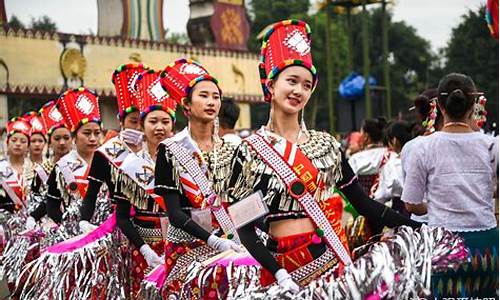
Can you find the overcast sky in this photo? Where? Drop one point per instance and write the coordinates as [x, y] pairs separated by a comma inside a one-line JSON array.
[[433, 19]]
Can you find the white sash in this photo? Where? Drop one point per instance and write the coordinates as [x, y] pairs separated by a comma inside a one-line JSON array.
[[271, 157], [73, 168], [8, 174], [185, 158], [115, 151], [40, 171], [140, 168]]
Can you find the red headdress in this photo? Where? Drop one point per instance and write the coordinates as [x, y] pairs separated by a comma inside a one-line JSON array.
[[79, 107], [124, 78], [51, 117], [18, 125], [151, 94], [181, 76], [37, 125], [286, 43]]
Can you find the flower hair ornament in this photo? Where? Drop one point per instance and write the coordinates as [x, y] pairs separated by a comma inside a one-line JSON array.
[[480, 112], [429, 123]]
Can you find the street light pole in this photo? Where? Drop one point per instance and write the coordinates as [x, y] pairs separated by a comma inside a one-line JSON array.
[[329, 70], [385, 53], [366, 61]]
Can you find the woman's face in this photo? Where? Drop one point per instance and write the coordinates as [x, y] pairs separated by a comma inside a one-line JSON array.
[[37, 142], [60, 141], [292, 89], [17, 145], [158, 126], [132, 121], [205, 101], [87, 137]]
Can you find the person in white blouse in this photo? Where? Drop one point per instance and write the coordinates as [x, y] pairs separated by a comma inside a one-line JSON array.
[[454, 169]]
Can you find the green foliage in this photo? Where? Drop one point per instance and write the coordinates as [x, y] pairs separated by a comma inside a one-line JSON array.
[[177, 38], [15, 23], [266, 12], [43, 23], [472, 51], [411, 54]]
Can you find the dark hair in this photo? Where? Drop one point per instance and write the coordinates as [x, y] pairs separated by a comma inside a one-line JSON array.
[[229, 113], [375, 128], [400, 130], [422, 103], [456, 95], [189, 97]]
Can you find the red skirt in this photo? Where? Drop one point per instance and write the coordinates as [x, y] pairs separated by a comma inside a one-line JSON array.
[[295, 251]]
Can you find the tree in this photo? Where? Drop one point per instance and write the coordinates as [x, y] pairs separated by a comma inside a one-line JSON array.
[[43, 23], [409, 71], [15, 23], [266, 12], [177, 38], [472, 51], [263, 13]]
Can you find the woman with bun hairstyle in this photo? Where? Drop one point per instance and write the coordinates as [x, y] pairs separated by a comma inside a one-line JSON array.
[[366, 162], [292, 171], [454, 168]]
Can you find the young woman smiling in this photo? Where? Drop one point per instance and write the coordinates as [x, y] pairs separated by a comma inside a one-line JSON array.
[[295, 170]]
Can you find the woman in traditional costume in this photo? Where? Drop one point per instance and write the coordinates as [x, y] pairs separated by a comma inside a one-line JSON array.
[[12, 168], [191, 173], [25, 246], [109, 157], [60, 143], [293, 171], [453, 169], [140, 214], [68, 182]]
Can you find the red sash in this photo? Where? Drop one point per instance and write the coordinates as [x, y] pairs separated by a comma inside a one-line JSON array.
[[308, 174], [192, 191], [297, 177]]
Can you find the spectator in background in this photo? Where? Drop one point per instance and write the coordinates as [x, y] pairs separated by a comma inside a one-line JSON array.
[[453, 170], [366, 163], [425, 106], [354, 143], [390, 181], [228, 116]]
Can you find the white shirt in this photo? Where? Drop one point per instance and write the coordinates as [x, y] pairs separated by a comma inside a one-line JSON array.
[[390, 179], [455, 172], [367, 162]]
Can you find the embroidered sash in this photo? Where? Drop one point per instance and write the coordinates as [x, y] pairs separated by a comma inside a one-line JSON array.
[[300, 187], [75, 171], [141, 169], [115, 151], [185, 158], [12, 183], [40, 171]]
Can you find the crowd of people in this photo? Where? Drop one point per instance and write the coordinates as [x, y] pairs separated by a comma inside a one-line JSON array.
[[148, 212]]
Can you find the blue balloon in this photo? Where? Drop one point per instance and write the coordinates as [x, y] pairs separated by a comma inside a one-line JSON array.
[[353, 86]]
